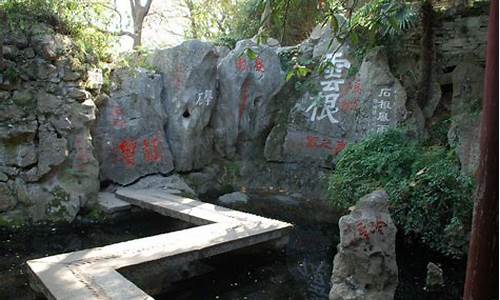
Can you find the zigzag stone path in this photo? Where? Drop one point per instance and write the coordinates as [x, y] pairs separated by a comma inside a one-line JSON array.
[[92, 273]]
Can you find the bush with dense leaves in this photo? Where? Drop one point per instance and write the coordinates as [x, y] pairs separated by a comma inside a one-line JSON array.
[[429, 197]]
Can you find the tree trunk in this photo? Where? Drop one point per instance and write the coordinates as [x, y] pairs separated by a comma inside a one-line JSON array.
[[138, 23], [481, 281]]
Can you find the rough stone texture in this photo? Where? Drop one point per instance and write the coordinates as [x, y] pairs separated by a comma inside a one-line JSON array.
[[189, 76], [434, 277], [129, 134], [245, 108], [47, 166], [173, 183], [364, 267], [232, 198], [459, 35], [465, 114], [109, 204], [346, 110]]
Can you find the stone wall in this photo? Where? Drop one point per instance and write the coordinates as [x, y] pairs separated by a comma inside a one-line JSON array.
[[47, 167]]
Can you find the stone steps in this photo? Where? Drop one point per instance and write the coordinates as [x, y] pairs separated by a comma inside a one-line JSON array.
[[92, 273]]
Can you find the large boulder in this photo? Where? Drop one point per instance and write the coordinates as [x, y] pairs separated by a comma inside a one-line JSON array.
[[189, 76], [248, 81], [466, 103], [129, 134], [347, 108], [364, 267]]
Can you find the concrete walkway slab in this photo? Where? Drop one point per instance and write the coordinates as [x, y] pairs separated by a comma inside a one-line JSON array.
[[92, 273], [109, 204]]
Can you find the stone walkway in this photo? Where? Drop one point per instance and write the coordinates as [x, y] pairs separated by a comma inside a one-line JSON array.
[[92, 273]]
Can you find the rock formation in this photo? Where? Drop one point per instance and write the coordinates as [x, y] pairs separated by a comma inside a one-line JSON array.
[[47, 166], [129, 134], [343, 109], [245, 107], [189, 78], [364, 267]]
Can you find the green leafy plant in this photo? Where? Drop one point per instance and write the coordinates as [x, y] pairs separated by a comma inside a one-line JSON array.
[[429, 197], [68, 17], [371, 24]]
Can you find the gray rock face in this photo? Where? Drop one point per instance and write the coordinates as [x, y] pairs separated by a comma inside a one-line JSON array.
[[173, 183], [233, 198], [434, 279], [346, 109], [464, 131], [190, 96], [364, 267], [245, 107], [47, 166], [129, 134]]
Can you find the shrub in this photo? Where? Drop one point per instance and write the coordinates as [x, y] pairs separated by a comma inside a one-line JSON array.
[[429, 197], [69, 17]]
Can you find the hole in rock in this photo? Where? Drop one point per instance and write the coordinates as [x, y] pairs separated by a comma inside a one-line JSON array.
[[186, 114], [449, 69]]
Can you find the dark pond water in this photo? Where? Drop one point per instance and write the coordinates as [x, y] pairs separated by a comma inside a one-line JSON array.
[[300, 271]]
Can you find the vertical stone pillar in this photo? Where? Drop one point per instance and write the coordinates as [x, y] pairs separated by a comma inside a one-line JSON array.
[[364, 267]]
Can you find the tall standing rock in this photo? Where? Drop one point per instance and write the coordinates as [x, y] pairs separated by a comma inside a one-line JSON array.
[[129, 135], [189, 76], [364, 267], [245, 109], [345, 108], [465, 114]]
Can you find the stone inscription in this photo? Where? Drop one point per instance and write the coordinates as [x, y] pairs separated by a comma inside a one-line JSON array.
[[365, 230], [242, 65], [204, 98], [244, 99], [315, 142], [330, 89], [381, 109], [150, 149]]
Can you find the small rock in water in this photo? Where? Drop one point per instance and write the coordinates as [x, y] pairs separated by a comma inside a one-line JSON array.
[[434, 278], [365, 264], [234, 198]]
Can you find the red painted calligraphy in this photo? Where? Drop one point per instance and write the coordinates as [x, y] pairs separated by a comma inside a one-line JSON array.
[[339, 146], [241, 64], [127, 149], [374, 227], [259, 65], [357, 87], [151, 150], [362, 231], [244, 99]]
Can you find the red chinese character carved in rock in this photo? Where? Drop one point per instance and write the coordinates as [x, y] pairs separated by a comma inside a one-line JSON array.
[[127, 149], [363, 233], [357, 87], [151, 150], [241, 64], [311, 142], [259, 65], [244, 99], [325, 144], [339, 146]]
